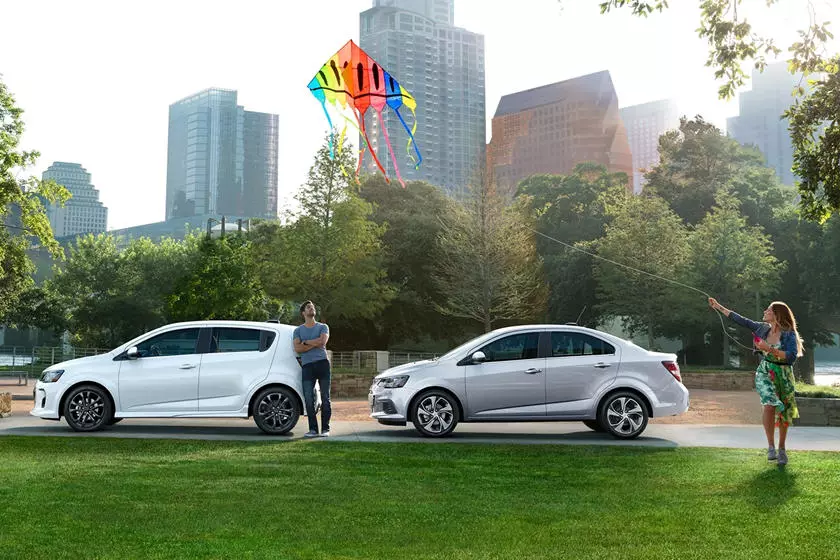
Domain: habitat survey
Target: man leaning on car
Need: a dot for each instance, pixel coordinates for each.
(310, 341)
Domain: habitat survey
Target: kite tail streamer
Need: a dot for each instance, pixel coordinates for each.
(371, 150)
(411, 140)
(329, 120)
(390, 149)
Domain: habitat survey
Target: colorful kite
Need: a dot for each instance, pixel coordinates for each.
(352, 79)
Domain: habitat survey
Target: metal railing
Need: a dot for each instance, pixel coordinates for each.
(400, 358)
(25, 363)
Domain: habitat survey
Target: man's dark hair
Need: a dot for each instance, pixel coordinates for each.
(304, 304)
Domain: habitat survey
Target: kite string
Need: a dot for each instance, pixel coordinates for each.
(628, 267)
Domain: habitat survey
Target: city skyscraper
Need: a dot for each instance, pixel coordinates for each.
(552, 128)
(645, 123)
(83, 213)
(442, 66)
(759, 121)
(222, 159)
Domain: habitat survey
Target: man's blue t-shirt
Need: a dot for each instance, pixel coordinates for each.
(309, 333)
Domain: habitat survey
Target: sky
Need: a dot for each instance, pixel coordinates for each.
(96, 78)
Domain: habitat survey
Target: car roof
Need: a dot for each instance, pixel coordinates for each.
(230, 323)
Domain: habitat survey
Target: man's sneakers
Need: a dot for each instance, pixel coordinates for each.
(313, 433)
(771, 454)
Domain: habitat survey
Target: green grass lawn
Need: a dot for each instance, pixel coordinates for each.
(121, 498)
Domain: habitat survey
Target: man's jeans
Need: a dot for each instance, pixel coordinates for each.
(319, 371)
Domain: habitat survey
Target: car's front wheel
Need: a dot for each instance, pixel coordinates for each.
(276, 411)
(435, 413)
(88, 408)
(623, 414)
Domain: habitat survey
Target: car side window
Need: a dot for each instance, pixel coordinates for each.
(231, 339)
(578, 344)
(522, 346)
(172, 343)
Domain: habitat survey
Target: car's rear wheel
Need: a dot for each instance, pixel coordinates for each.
(593, 425)
(435, 413)
(623, 414)
(88, 408)
(276, 411)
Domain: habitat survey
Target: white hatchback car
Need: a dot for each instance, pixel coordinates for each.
(534, 373)
(203, 369)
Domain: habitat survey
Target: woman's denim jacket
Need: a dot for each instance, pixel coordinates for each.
(787, 340)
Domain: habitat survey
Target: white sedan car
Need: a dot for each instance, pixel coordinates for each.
(204, 369)
(534, 373)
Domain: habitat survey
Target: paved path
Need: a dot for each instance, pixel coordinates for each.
(565, 433)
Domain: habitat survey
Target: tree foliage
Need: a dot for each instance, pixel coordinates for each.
(813, 115)
(23, 217)
(489, 270)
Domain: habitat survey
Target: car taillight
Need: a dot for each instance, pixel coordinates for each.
(674, 368)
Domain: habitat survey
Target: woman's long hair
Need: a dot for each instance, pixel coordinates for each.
(787, 322)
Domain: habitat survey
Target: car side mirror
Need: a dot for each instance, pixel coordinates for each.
(133, 353)
(478, 357)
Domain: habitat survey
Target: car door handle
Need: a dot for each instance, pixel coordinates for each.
(602, 365)
(532, 371)
(188, 366)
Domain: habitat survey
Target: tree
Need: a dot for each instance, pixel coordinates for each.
(696, 161)
(489, 270)
(732, 261)
(22, 214)
(220, 284)
(810, 283)
(646, 235)
(95, 293)
(411, 218)
(732, 42)
(573, 209)
(334, 251)
(815, 132)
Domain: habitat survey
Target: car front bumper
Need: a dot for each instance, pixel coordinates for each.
(46, 401)
(388, 406)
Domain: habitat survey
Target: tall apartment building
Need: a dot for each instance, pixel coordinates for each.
(759, 121)
(83, 213)
(222, 159)
(552, 128)
(442, 66)
(645, 123)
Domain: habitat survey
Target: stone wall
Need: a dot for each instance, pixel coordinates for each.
(350, 385)
(5, 404)
(817, 412)
(728, 381)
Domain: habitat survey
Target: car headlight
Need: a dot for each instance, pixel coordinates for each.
(393, 382)
(51, 375)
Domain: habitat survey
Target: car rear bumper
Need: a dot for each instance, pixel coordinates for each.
(672, 401)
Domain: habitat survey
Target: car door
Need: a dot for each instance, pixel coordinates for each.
(237, 359)
(510, 382)
(578, 365)
(164, 378)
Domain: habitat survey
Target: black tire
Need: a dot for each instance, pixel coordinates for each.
(623, 415)
(87, 408)
(276, 410)
(435, 413)
(593, 425)
(114, 421)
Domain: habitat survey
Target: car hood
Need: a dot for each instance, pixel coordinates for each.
(407, 368)
(76, 362)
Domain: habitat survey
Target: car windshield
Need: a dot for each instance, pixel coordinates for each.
(460, 349)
